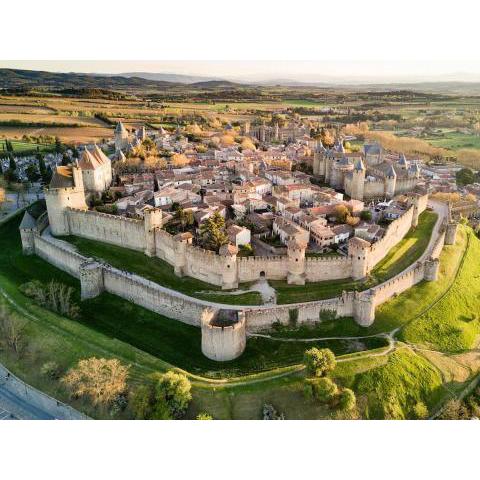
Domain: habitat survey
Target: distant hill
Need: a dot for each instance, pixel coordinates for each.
(217, 84)
(167, 77)
(13, 78)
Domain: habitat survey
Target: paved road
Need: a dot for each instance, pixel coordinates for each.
(4, 415)
(14, 407)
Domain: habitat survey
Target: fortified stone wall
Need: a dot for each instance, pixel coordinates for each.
(273, 268)
(125, 232)
(405, 185)
(318, 269)
(165, 246)
(228, 342)
(438, 246)
(216, 269)
(152, 296)
(394, 233)
(261, 319)
(204, 265)
(398, 284)
(57, 254)
(374, 189)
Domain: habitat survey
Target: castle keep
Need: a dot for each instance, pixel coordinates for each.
(366, 175)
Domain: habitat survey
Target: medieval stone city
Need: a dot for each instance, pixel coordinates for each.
(233, 216)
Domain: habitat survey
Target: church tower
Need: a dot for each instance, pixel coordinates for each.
(121, 137)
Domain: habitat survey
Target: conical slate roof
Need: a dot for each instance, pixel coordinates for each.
(402, 160)
(120, 128)
(359, 166)
(391, 172)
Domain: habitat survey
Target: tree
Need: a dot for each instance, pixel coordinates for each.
(99, 379)
(212, 231)
(465, 176)
(184, 218)
(173, 391)
(51, 370)
(12, 165)
(341, 212)
(322, 389)
(366, 215)
(247, 144)
(454, 410)
(32, 173)
(42, 168)
(59, 148)
(179, 160)
(327, 138)
(352, 221)
(319, 361)
(347, 400)
(11, 333)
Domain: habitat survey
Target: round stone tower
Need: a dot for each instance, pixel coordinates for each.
(358, 251)
(296, 262)
(432, 265)
(451, 233)
(91, 279)
(364, 308)
(223, 334)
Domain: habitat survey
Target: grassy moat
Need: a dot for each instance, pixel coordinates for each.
(433, 315)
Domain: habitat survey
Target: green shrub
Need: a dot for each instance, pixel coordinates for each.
(322, 389)
(50, 370)
(319, 361)
(54, 296)
(420, 411)
(204, 416)
(173, 389)
(347, 400)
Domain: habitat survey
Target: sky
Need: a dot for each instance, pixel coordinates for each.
(355, 70)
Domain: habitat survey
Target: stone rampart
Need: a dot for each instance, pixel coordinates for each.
(114, 229)
(59, 255)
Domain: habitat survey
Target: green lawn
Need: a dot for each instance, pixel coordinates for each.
(21, 147)
(455, 140)
(452, 325)
(406, 252)
(393, 389)
(158, 271)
